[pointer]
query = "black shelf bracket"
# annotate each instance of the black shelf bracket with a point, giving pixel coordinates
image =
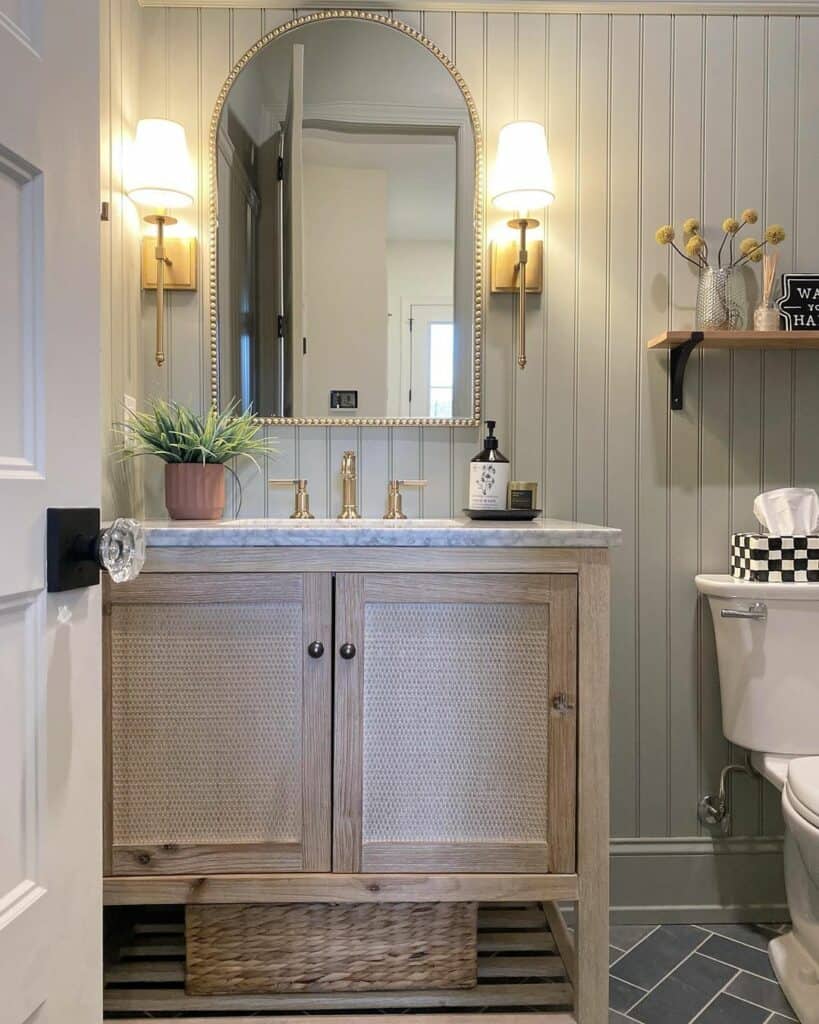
(679, 359)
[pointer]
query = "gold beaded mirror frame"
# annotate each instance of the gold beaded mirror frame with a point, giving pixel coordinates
(471, 415)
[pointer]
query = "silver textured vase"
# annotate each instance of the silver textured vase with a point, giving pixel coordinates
(721, 299)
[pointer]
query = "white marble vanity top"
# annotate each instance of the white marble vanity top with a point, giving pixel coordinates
(407, 533)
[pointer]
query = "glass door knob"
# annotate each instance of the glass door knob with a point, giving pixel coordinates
(120, 549)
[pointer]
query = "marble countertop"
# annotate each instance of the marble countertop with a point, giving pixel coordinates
(407, 533)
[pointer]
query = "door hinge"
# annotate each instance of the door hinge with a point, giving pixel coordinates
(410, 396)
(280, 325)
(304, 346)
(105, 211)
(280, 169)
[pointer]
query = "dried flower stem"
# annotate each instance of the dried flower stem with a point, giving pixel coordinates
(678, 250)
(725, 238)
(748, 255)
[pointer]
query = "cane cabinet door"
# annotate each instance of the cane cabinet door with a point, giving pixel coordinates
(218, 707)
(455, 723)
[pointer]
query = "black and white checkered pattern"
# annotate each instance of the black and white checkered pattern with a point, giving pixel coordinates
(772, 559)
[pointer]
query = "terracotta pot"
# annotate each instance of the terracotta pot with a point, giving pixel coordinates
(194, 490)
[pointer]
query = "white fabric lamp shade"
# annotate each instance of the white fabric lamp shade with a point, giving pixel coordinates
(159, 172)
(523, 178)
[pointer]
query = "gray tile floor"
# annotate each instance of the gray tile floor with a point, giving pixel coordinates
(711, 974)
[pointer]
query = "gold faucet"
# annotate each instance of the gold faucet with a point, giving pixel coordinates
(349, 509)
(394, 506)
(302, 509)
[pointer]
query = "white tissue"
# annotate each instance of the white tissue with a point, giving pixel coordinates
(789, 512)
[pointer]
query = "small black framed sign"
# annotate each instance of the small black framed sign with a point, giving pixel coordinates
(799, 304)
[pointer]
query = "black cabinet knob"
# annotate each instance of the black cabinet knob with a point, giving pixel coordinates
(347, 651)
(315, 649)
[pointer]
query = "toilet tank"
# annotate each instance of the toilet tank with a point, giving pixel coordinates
(768, 667)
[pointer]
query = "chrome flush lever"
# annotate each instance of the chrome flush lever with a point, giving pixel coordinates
(758, 611)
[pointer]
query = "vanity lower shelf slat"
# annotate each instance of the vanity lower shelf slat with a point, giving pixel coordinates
(525, 1017)
(519, 968)
(332, 887)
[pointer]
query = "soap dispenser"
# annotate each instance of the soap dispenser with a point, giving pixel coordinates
(488, 474)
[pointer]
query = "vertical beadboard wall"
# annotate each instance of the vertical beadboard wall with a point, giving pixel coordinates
(650, 118)
(122, 357)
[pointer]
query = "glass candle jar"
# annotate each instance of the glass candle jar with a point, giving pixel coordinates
(766, 317)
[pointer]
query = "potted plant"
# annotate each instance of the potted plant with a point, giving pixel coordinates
(195, 449)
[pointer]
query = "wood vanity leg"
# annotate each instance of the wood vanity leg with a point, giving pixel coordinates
(593, 790)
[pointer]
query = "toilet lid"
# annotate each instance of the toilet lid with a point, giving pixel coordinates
(803, 782)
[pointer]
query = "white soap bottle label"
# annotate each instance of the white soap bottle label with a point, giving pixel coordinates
(488, 482)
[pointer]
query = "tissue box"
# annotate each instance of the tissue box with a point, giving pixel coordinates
(768, 558)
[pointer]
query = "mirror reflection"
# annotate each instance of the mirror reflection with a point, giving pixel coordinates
(345, 238)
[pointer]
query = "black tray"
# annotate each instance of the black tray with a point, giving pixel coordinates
(501, 514)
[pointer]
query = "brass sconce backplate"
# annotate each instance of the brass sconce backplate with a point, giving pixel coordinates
(180, 272)
(504, 277)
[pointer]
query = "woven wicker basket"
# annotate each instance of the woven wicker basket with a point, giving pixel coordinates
(267, 948)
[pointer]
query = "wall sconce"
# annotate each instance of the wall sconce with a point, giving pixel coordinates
(159, 174)
(522, 181)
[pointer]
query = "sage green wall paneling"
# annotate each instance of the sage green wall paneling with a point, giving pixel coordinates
(593, 226)
(806, 232)
(625, 358)
(687, 173)
(121, 371)
(528, 411)
(560, 297)
(718, 165)
(650, 118)
(156, 381)
(653, 431)
(779, 368)
(746, 393)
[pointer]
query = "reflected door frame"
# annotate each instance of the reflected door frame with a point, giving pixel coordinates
(413, 378)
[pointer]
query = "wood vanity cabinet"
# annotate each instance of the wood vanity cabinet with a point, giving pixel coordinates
(218, 723)
(454, 722)
(455, 729)
(359, 725)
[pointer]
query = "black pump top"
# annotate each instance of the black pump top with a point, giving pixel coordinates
(490, 441)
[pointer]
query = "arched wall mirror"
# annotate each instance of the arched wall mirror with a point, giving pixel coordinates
(346, 229)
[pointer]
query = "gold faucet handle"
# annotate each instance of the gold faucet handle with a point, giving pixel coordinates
(394, 504)
(302, 509)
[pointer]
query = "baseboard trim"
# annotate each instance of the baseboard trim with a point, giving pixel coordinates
(707, 846)
(697, 879)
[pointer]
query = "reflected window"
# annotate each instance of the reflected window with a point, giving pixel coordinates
(441, 369)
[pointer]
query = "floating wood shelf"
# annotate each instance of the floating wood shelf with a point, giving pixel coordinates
(683, 343)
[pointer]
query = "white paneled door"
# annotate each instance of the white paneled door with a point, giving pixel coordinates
(50, 890)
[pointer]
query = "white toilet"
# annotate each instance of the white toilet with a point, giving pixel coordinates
(768, 651)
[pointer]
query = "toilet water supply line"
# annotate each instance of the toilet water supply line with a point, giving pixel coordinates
(711, 812)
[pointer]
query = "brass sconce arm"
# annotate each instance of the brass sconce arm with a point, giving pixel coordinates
(162, 261)
(522, 224)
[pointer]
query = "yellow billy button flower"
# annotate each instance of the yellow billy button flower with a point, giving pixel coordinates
(748, 245)
(664, 235)
(694, 245)
(750, 216)
(775, 234)
(730, 225)
(756, 256)
(691, 226)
